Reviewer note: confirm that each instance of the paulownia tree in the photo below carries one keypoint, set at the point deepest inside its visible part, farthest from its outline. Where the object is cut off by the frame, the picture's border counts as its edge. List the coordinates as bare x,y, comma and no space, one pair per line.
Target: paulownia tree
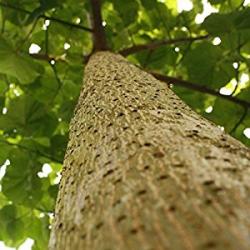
142,170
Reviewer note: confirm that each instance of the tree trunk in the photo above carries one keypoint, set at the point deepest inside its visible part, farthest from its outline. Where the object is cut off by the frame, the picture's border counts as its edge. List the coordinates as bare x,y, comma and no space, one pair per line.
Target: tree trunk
144,171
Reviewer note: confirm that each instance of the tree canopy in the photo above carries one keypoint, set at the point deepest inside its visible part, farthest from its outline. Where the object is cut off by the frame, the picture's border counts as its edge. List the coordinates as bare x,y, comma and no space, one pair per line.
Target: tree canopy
201,49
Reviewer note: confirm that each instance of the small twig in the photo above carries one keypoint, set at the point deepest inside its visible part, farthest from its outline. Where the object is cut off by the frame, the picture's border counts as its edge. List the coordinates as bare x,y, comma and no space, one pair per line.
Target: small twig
47,58
237,81
73,25
3,23
56,75
199,88
241,5
60,84
29,34
47,40
157,44
77,26
237,68
242,118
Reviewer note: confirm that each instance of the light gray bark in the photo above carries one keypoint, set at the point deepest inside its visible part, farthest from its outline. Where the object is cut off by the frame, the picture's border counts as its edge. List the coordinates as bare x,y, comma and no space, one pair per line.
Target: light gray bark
144,171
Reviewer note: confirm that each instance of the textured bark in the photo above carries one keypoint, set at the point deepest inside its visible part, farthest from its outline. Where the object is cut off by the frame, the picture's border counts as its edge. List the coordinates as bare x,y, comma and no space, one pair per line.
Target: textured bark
143,171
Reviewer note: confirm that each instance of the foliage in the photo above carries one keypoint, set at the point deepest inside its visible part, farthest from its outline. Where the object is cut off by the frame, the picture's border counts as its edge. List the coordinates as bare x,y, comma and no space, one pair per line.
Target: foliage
38,92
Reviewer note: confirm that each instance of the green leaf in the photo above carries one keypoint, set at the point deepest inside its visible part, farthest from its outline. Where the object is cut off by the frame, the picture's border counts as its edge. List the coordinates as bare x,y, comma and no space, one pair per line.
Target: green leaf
17,223
172,4
11,225
44,141
58,145
128,10
21,183
242,20
217,24
3,87
244,94
225,113
39,231
3,201
239,132
47,5
70,90
216,1
196,100
25,115
19,66
148,4
197,5
207,66
5,150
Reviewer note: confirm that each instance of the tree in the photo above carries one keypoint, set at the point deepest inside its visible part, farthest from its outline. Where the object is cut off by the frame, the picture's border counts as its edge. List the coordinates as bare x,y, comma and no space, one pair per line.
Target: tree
141,170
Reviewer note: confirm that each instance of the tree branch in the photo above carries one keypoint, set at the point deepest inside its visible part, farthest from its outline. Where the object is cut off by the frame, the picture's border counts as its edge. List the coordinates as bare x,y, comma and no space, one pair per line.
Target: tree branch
199,88
99,37
48,58
157,44
77,26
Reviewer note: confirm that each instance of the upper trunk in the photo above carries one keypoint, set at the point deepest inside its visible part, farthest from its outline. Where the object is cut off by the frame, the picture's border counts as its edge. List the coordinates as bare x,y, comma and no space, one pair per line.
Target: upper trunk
143,171
99,37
